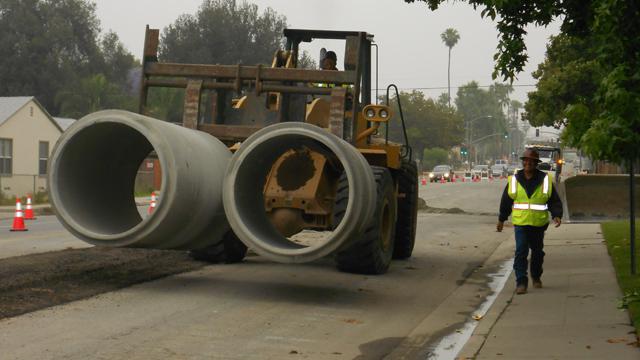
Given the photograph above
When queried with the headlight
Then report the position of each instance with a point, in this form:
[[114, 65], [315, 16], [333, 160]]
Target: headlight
[[446, 174], [430, 175], [383, 114], [371, 113]]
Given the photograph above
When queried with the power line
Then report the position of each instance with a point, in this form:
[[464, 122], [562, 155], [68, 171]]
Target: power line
[[456, 87]]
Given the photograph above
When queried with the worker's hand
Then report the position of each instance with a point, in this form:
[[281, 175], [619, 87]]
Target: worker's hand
[[499, 226], [557, 221]]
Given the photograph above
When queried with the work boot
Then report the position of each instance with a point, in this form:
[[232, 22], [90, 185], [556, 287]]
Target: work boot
[[521, 289], [537, 283]]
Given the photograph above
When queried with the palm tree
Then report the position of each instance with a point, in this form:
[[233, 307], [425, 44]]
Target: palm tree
[[450, 38]]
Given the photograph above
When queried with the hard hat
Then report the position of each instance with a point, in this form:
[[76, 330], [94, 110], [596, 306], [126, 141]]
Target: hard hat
[[331, 55], [531, 154]]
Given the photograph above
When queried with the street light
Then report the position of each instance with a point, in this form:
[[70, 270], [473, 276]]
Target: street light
[[469, 137]]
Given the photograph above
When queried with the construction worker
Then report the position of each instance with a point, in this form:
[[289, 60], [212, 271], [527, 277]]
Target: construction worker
[[329, 61], [529, 197]]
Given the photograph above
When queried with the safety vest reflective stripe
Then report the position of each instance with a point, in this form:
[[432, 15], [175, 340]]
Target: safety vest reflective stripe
[[539, 207], [514, 184], [526, 206], [545, 185]]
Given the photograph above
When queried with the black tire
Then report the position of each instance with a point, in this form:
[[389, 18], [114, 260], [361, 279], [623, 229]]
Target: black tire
[[372, 253], [407, 210], [230, 250]]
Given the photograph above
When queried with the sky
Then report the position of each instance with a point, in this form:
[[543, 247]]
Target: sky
[[412, 54]]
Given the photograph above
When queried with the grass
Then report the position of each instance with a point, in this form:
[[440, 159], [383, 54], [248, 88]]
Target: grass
[[617, 237]]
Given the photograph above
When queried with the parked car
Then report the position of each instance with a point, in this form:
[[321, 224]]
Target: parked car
[[441, 172], [498, 170], [480, 171], [512, 169]]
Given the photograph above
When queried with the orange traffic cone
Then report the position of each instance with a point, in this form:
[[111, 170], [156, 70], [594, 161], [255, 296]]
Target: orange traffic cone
[[152, 206], [28, 212], [18, 220]]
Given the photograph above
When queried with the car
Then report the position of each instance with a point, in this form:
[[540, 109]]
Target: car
[[512, 169], [498, 170], [441, 172], [480, 171]]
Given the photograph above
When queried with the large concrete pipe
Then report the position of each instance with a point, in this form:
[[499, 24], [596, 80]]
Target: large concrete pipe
[[92, 172], [246, 176]]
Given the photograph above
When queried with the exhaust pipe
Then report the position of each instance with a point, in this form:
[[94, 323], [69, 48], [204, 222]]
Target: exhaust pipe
[[245, 181], [91, 179]]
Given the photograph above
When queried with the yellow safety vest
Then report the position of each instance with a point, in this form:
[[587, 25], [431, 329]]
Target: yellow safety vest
[[530, 211]]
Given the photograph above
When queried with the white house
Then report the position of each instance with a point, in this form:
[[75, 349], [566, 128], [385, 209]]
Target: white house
[[27, 136]]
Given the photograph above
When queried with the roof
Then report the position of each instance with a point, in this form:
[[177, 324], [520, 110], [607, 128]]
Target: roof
[[10, 105], [63, 123]]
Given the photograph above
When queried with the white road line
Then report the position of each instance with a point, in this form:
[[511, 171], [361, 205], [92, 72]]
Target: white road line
[[450, 345]]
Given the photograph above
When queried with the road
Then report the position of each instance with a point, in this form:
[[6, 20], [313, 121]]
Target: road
[[262, 310]]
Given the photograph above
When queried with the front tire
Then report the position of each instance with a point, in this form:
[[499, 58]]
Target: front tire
[[373, 252], [407, 210]]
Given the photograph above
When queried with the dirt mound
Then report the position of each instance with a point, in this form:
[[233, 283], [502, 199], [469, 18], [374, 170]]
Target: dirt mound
[[32, 282]]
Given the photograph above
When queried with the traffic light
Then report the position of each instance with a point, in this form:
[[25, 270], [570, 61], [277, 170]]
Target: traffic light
[[537, 132], [506, 135], [463, 151]]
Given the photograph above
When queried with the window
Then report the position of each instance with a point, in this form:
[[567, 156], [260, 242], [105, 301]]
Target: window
[[6, 156], [43, 157]]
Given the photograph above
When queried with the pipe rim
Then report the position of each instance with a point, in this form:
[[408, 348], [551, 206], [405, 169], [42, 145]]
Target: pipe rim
[[144, 226], [354, 166]]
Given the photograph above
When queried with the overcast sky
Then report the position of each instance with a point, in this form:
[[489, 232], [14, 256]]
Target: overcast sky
[[412, 55]]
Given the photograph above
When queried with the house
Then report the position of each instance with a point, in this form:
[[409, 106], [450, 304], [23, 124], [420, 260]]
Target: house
[[27, 136]]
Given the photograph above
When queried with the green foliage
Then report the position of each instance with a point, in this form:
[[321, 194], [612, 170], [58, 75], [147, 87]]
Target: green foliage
[[223, 32], [166, 104], [429, 124], [450, 37], [434, 156], [49, 47], [92, 94], [616, 235], [483, 112], [598, 49]]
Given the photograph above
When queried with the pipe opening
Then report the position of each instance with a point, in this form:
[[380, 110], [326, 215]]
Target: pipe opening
[[293, 182], [96, 177]]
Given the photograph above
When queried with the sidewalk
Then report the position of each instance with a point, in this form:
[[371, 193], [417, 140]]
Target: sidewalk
[[574, 316]]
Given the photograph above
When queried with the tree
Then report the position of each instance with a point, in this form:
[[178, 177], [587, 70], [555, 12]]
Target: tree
[[45, 44], [429, 124], [611, 33], [483, 113], [49, 48], [450, 38], [92, 94], [434, 156], [223, 32]]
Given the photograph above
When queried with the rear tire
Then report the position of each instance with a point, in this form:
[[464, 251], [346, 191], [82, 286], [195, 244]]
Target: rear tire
[[407, 210], [372, 253], [229, 250]]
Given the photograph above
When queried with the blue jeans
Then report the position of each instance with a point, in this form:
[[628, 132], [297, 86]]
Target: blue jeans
[[528, 237]]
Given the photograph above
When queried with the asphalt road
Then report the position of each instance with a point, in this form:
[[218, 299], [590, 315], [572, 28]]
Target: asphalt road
[[262, 310]]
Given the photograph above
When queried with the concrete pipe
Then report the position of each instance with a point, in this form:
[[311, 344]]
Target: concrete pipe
[[91, 179], [246, 176]]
